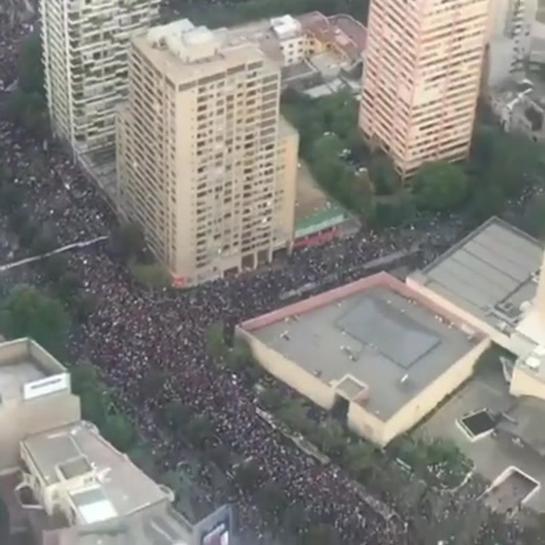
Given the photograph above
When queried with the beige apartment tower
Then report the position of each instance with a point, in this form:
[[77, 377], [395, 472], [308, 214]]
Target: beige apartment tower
[[422, 77], [206, 165]]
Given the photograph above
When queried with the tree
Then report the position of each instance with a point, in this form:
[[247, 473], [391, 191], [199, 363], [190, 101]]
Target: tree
[[294, 413], [329, 437], [534, 218], [84, 377], [4, 523], [128, 241], [272, 500], [95, 405], [29, 313], [119, 432], [177, 416], [215, 341], [394, 210], [383, 175], [30, 72], [199, 429], [358, 458], [320, 534], [248, 475], [295, 519], [488, 199], [152, 383], [271, 398], [440, 186], [240, 355]]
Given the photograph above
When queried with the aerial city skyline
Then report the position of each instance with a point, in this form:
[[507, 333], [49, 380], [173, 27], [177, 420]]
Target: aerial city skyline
[[272, 273]]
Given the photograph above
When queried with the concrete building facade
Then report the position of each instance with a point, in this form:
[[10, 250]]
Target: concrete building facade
[[422, 78], [85, 60], [35, 395], [206, 165]]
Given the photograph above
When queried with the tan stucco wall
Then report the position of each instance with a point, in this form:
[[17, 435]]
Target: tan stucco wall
[[293, 375], [22, 419], [359, 419], [429, 398], [523, 383]]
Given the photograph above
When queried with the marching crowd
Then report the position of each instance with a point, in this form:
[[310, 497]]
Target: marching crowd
[[134, 332]]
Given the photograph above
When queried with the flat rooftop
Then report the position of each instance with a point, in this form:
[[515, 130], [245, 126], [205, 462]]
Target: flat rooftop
[[518, 441], [374, 337], [490, 273], [22, 362], [119, 488]]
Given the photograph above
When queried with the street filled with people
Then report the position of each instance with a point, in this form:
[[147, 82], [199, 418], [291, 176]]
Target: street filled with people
[[134, 332]]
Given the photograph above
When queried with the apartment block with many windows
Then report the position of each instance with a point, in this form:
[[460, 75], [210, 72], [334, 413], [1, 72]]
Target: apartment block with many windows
[[85, 45], [422, 78], [205, 164]]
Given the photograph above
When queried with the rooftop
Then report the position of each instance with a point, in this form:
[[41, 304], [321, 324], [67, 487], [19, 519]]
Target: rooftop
[[518, 438], [77, 450], [186, 52], [491, 273], [344, 337], [23, 367], [348, 35]]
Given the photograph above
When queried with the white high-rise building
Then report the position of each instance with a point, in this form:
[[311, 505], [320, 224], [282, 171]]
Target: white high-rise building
[[206, 164], [510, 30], [85, 45]]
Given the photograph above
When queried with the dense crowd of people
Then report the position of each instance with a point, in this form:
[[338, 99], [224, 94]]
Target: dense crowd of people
[[135, 332]]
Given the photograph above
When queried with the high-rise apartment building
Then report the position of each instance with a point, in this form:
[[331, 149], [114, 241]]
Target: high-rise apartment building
[[85, 45], [422, 78], [206, 165], [509, 41]]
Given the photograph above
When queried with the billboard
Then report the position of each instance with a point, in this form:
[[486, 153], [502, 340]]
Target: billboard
[[216, 528], [45, 386]]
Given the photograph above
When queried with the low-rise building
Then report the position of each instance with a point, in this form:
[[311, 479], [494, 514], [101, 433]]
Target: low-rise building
[[380, 350], [35, 395], [64, 484], [90, 491]]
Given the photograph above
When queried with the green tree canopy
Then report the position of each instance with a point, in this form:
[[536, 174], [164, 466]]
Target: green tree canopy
[[440, 186], [534, 218], [215, 340], [385, 179], [29, 313], [30, 72], [119, 431]]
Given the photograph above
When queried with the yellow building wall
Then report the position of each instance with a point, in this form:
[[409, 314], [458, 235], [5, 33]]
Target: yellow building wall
[[285, 370], [359, 419], [420, 406], [524, 383]]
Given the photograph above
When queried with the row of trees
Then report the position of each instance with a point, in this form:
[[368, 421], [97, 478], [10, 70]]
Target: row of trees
[[26, 106]]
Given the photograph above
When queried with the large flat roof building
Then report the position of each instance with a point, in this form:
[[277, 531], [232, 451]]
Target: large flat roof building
[[35, 395], [489, 277], [495, 280], [390, 353], [421, 78], [210, 174]]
